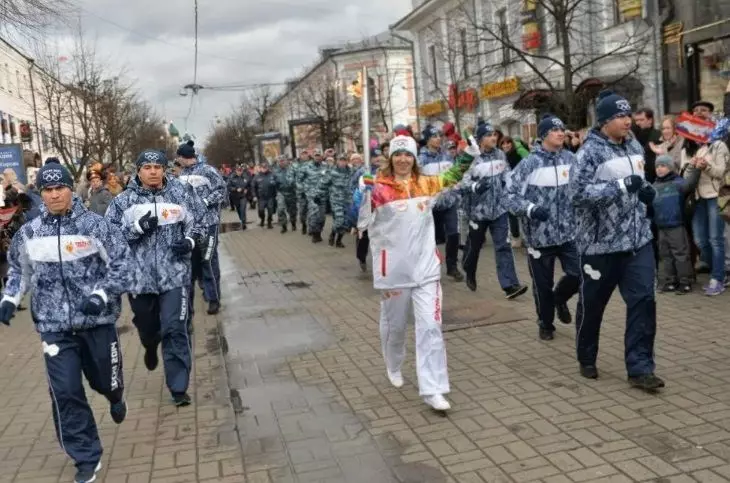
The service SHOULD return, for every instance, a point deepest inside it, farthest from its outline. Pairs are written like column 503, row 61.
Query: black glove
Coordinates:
column 539, row 213
column 148, row 223
column 647, row 194
column 182, row 247
column 633, row 183
column 481, row 186
column 7, row 310
column 92, row 305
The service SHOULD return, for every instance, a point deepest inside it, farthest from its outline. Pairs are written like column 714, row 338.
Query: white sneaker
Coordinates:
column 438, row 402
column 396, row 379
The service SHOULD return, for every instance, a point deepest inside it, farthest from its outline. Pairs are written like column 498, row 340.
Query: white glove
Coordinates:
column 472, row 149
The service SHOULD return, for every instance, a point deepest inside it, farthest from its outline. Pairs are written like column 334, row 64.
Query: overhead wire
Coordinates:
column 194, row 90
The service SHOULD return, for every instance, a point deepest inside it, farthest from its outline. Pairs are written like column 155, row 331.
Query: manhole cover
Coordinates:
column 477, row 314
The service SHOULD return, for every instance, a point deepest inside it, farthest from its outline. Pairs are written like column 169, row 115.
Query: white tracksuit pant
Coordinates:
column 433, row 377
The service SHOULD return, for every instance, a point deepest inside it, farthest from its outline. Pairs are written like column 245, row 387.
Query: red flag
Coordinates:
column 694, row 128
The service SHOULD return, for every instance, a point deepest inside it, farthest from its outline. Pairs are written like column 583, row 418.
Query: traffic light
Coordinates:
column 355, row 89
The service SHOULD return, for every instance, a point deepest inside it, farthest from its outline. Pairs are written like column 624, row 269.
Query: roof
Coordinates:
column 383, row 40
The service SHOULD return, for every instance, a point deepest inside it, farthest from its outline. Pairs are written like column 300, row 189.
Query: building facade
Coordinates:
column 696, row 51
column 316, row 111
column 510, row 62
column 23, row 119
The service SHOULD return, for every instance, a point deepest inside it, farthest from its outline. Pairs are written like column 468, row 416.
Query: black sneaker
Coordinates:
column 284, row 229
column 118, row 410
column 684, row 289
column 261, row 223
column 589, row 372
column 316, row 237
column 304, row 228
column 181, row 400
column 647, row 382
column 668, row 287
column 471, row 283
column 547, row 334
column 86, row 475
column 331, row 240
column 214, row 307
column 454, row 273
column 150, row 358
column 515, row 291
column 563, row 313
column 270, row 226
column 243, row 226
column 293, row 226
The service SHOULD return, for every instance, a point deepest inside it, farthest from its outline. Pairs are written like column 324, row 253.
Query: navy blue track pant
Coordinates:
column 541, row 262
column 446, row 228
column 208, row 272
column 163, row 318
column 97, row 354
column 634, row 274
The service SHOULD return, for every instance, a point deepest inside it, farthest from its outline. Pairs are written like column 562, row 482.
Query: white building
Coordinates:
column 319, row 99
column 23, row 120
column 503, row 60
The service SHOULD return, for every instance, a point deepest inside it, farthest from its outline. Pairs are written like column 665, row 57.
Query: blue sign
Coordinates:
column 11, row 156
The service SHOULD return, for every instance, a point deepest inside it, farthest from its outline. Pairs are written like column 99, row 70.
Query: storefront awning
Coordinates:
column 625, row 85
column 533, row 99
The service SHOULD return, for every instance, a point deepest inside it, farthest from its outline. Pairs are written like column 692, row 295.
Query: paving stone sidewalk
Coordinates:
column 314, row 404
column 157, row 442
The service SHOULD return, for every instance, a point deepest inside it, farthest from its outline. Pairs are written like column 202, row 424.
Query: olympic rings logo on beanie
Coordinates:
column 52, row 176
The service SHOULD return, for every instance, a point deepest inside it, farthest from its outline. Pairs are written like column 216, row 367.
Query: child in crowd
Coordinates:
column 674, row 249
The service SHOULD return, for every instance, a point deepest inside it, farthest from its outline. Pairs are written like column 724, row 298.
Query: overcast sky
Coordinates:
column 240, row 42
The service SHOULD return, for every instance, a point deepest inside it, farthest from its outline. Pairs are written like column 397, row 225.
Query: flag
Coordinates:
column 694, row 128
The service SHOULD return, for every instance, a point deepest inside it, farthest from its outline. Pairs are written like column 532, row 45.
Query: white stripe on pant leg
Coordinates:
column 58, row 410
column 582, row 303
column 210, row 263
column 184, row 320
column 393, row 319
column 431, row 363
column 534, row 287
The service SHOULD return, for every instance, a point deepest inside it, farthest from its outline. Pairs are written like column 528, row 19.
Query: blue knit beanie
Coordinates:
column 428, row 132
column 609, row 106
column 483, row 129
column 53, row 174
column 547, row 124
column 187, row 150
column 151, row 156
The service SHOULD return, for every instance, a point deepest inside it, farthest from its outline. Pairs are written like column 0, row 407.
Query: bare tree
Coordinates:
column 258, row 104
column 31, row 15
column 450, row 65
column 93, row 116
column 560, row 51
column 321, row 98
column 233, row 139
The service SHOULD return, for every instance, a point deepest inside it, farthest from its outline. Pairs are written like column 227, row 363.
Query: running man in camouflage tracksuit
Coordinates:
column 299, row 174
column 313, row 173
column 335, row 186
column 286, row 195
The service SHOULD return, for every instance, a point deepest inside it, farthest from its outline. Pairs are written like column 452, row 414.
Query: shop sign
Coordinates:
column 431, row 109
column 466, row 99
column 26, row 132
column 629, row 9
column 502, row 88
column 531, row 38
column 673, row 32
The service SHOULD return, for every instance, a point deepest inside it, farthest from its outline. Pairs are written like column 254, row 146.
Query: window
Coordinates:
column 434, row 66
column 464, row 53
column 503, row 34
column 17, row 83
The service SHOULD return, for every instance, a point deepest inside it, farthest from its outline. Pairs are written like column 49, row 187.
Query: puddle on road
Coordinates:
column 293, row 429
